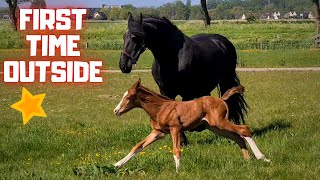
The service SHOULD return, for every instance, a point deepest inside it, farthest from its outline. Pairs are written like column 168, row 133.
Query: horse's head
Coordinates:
column 129, row 100
column 133, row 44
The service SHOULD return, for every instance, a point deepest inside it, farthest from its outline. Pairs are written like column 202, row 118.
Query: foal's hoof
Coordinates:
column 264, row 159
column 117, row 165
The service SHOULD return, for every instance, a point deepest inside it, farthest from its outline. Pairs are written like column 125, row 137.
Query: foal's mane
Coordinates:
column 149, row 91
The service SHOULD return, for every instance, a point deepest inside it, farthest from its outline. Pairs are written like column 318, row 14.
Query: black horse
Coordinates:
column 187, row 66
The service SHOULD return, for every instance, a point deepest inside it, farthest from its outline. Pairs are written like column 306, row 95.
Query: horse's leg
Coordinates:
column 152, row 137
column 233, row 136
column 176, row 138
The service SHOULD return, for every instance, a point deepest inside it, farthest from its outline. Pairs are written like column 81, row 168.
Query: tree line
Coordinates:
column 178, row 10
column 218, row 9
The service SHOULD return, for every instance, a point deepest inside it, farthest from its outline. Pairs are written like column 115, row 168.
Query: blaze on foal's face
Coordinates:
column 129, row 100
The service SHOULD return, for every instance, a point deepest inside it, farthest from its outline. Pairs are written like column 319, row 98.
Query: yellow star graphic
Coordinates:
column 29, row 105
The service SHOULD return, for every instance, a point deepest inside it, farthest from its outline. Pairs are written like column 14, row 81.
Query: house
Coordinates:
column 268, row 16
column 310, row 16
column 91, row 12
column 243, row 17
column 275, row 15
column 303, row 15
column 6, row 17
column 100, row 16
column 294, row 15
column 264, row 16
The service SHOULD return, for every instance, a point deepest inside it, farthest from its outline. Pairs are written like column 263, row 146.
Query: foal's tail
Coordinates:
column 232, row 91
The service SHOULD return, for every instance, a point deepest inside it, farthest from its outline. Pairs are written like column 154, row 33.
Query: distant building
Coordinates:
column 290, row 15
column 110, row 6
column 100, row 16
column 294, row 14
column 310, row 16
column 6, row 17
column 268, row 16
column 275, row 15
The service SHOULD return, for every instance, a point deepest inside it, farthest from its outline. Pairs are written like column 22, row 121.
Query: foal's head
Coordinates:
column 129, row 100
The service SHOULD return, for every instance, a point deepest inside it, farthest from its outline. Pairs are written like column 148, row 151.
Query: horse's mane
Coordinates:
column 149, row 91
column 135, row 27
column 156, row 19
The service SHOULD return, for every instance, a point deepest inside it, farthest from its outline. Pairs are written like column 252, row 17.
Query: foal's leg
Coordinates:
column 233, row 136
column 152, row 137
column 244, row 132
column 257, row 153
column 176, row 140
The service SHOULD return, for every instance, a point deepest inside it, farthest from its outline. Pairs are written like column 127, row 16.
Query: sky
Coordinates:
column 98, row 3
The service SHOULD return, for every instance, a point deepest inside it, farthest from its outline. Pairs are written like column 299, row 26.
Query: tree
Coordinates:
column 188, row 4
column 237, row 11
column 205, row 10
column 13, row 7
column 38, row 4
column 317, row 6
column 167, row 10
column 115, row 13
column 196, row 12
column 13, row 4
column 181, row 11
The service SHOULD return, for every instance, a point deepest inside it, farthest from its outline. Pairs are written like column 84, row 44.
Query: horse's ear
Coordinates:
column 141, row 18
column 130, row 18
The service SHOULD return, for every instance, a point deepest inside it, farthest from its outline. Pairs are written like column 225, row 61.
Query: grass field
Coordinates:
column 246, row 58
column 81, row 131
column 260, row 35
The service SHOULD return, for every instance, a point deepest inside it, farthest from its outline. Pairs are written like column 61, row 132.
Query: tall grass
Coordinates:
column 81, row 130
column 246, row 58
column 261, row 35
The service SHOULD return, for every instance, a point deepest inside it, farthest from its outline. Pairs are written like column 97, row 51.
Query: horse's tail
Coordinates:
column 232, row 91
column 236, row 103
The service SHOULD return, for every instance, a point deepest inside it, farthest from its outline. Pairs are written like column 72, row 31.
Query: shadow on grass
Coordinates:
column 275, row 126
column 98, row 171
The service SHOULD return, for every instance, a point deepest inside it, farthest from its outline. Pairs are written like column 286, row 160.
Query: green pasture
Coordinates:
column 259, row 35
column 82, row 131
column 246, row 58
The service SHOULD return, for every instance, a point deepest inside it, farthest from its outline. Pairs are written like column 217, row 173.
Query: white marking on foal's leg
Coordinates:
column 257, row 153
column 127, row 158
column 177, row 161
column 119, row 105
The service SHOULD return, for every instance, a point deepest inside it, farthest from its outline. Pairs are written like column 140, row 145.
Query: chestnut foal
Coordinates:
column 174, row 117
